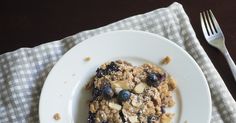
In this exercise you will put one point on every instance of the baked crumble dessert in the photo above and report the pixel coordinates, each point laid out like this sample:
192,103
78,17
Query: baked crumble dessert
123,93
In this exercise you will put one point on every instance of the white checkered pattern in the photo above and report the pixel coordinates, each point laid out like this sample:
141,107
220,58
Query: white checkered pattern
22,72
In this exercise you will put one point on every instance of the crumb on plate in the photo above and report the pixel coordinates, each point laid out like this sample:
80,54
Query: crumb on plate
166,60
57,116
87,59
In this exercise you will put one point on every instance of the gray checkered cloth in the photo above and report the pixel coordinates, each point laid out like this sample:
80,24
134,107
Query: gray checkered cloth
22,72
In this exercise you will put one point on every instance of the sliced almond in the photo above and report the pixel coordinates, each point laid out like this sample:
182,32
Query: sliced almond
140,87
120,84
114,106
136,101
133,119
117,90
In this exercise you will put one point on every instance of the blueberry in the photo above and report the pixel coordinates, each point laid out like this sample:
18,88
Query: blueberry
112,67
123,95
95,93
154,79
91,117
109,68
107,92
100,72
152,119
163,110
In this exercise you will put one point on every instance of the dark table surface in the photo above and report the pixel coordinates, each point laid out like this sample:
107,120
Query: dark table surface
29,23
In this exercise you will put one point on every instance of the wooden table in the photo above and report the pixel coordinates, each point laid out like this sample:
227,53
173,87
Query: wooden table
29,23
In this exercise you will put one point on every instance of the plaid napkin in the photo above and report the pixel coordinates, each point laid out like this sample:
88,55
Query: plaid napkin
22,72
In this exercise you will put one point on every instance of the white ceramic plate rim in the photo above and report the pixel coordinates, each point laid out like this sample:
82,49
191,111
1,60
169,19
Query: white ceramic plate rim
49,93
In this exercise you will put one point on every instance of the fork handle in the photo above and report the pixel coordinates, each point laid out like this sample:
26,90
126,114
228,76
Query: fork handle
231,63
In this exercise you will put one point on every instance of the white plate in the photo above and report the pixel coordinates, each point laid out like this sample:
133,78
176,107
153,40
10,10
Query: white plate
64,92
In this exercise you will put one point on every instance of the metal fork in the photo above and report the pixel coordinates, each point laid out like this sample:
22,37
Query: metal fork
215,36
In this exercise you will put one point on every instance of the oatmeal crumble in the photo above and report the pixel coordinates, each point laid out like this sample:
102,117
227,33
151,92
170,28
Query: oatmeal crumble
123,93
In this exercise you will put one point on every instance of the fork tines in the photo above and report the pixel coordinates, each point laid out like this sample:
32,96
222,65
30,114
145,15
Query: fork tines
209,24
